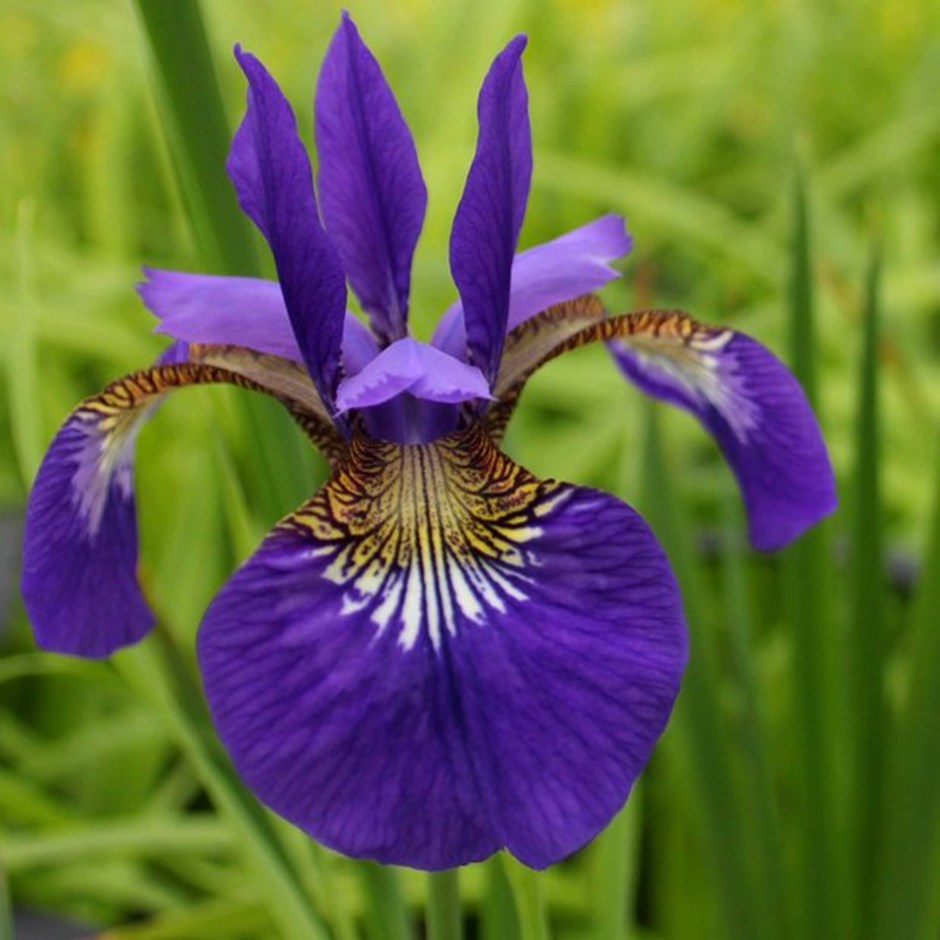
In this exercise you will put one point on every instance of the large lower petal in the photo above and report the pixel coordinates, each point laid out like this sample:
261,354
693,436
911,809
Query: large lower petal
440,655
567,267
489,217
80,545
272,175
371,191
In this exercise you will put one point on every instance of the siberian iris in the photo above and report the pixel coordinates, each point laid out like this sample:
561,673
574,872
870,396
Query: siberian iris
438,655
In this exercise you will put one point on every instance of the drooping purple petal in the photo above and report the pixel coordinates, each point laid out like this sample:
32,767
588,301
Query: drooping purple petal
489,217
271,173
80,544
412,366
756,411
574,264
371,190
440,655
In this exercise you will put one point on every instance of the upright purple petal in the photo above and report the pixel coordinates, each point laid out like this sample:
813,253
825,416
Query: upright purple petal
271,172
489,217
371,190
440,655
570,266
755,409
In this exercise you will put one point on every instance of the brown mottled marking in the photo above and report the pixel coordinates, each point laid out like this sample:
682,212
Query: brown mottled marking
569,326
118,401
440,528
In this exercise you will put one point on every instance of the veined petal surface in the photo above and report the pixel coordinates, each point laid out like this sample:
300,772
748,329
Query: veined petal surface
371,190
79,579
440,655
216,309
489,216
272,175
567,267
219,310
409,365
737,388
754,407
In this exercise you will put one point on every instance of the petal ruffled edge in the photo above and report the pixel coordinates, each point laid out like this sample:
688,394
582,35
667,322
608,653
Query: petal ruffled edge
409,365
220,310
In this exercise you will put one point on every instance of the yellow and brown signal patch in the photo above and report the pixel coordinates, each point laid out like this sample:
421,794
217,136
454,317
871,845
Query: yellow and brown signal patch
427,536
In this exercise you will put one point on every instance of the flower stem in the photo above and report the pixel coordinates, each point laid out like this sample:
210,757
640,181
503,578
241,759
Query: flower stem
527,891
444,916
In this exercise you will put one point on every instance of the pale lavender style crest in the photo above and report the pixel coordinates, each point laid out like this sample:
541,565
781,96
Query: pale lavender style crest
438,655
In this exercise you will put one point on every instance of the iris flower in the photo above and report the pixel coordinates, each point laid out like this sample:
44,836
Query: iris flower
439,655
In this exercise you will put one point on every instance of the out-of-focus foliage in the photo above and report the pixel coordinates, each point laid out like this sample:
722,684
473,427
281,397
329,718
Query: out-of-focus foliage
689,117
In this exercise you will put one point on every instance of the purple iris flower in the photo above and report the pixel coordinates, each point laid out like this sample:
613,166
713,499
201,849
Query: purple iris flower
438,655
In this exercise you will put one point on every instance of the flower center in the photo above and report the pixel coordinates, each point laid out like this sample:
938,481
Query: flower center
428,537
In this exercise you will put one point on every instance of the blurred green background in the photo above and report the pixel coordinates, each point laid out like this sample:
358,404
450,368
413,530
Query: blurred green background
795,793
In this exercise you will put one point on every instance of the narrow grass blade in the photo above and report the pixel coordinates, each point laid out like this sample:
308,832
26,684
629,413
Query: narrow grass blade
444,917
178,704
227,917
199,131
705,734
772,883
146,836
6,906
498,909
867,647
612,858
814,673
199,134
386,914
22,366
526,888
908,882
